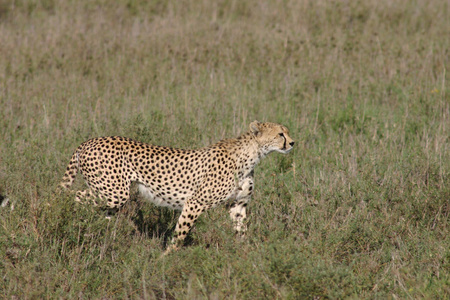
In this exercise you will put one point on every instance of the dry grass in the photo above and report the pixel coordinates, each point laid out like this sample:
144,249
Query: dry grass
360,209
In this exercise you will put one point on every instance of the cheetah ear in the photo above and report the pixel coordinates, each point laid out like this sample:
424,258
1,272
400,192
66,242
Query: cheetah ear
255,127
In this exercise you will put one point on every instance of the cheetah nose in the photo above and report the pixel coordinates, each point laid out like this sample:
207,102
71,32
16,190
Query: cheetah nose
292,144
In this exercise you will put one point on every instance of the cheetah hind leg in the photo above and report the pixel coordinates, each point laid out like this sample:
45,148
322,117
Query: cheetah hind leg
91,197
86,196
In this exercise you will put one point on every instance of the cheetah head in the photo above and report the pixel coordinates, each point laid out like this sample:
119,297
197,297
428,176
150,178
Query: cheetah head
272,137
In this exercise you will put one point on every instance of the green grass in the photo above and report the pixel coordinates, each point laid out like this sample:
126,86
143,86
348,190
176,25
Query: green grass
360,208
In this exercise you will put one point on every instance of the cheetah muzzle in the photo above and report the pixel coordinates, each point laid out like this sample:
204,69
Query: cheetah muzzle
188,180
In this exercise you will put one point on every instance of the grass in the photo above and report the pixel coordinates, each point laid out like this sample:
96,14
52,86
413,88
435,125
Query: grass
360,208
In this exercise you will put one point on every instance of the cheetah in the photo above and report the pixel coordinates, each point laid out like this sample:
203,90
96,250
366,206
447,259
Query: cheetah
188,180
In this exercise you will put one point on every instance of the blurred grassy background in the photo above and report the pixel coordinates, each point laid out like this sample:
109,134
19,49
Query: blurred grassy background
360,209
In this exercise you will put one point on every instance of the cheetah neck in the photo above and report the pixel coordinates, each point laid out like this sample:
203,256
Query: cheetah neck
248,153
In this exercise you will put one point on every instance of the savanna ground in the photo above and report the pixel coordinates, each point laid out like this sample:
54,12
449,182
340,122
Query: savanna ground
360,208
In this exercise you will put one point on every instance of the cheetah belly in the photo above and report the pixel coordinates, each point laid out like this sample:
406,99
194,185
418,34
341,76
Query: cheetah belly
148,194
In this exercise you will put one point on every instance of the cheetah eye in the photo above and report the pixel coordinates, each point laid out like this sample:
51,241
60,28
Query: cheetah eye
281,134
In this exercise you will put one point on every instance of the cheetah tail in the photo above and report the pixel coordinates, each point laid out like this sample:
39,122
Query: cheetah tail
71,171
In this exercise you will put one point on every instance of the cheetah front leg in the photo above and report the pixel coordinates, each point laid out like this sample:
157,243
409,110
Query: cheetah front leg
238,214
239,206
190,213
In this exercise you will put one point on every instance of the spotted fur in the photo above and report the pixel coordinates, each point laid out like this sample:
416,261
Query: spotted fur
188,180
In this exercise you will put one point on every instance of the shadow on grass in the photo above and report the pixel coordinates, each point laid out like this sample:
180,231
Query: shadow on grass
152,221
155,222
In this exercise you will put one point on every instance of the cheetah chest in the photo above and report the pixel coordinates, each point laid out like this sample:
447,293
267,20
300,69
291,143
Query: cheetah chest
176,201
171,181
